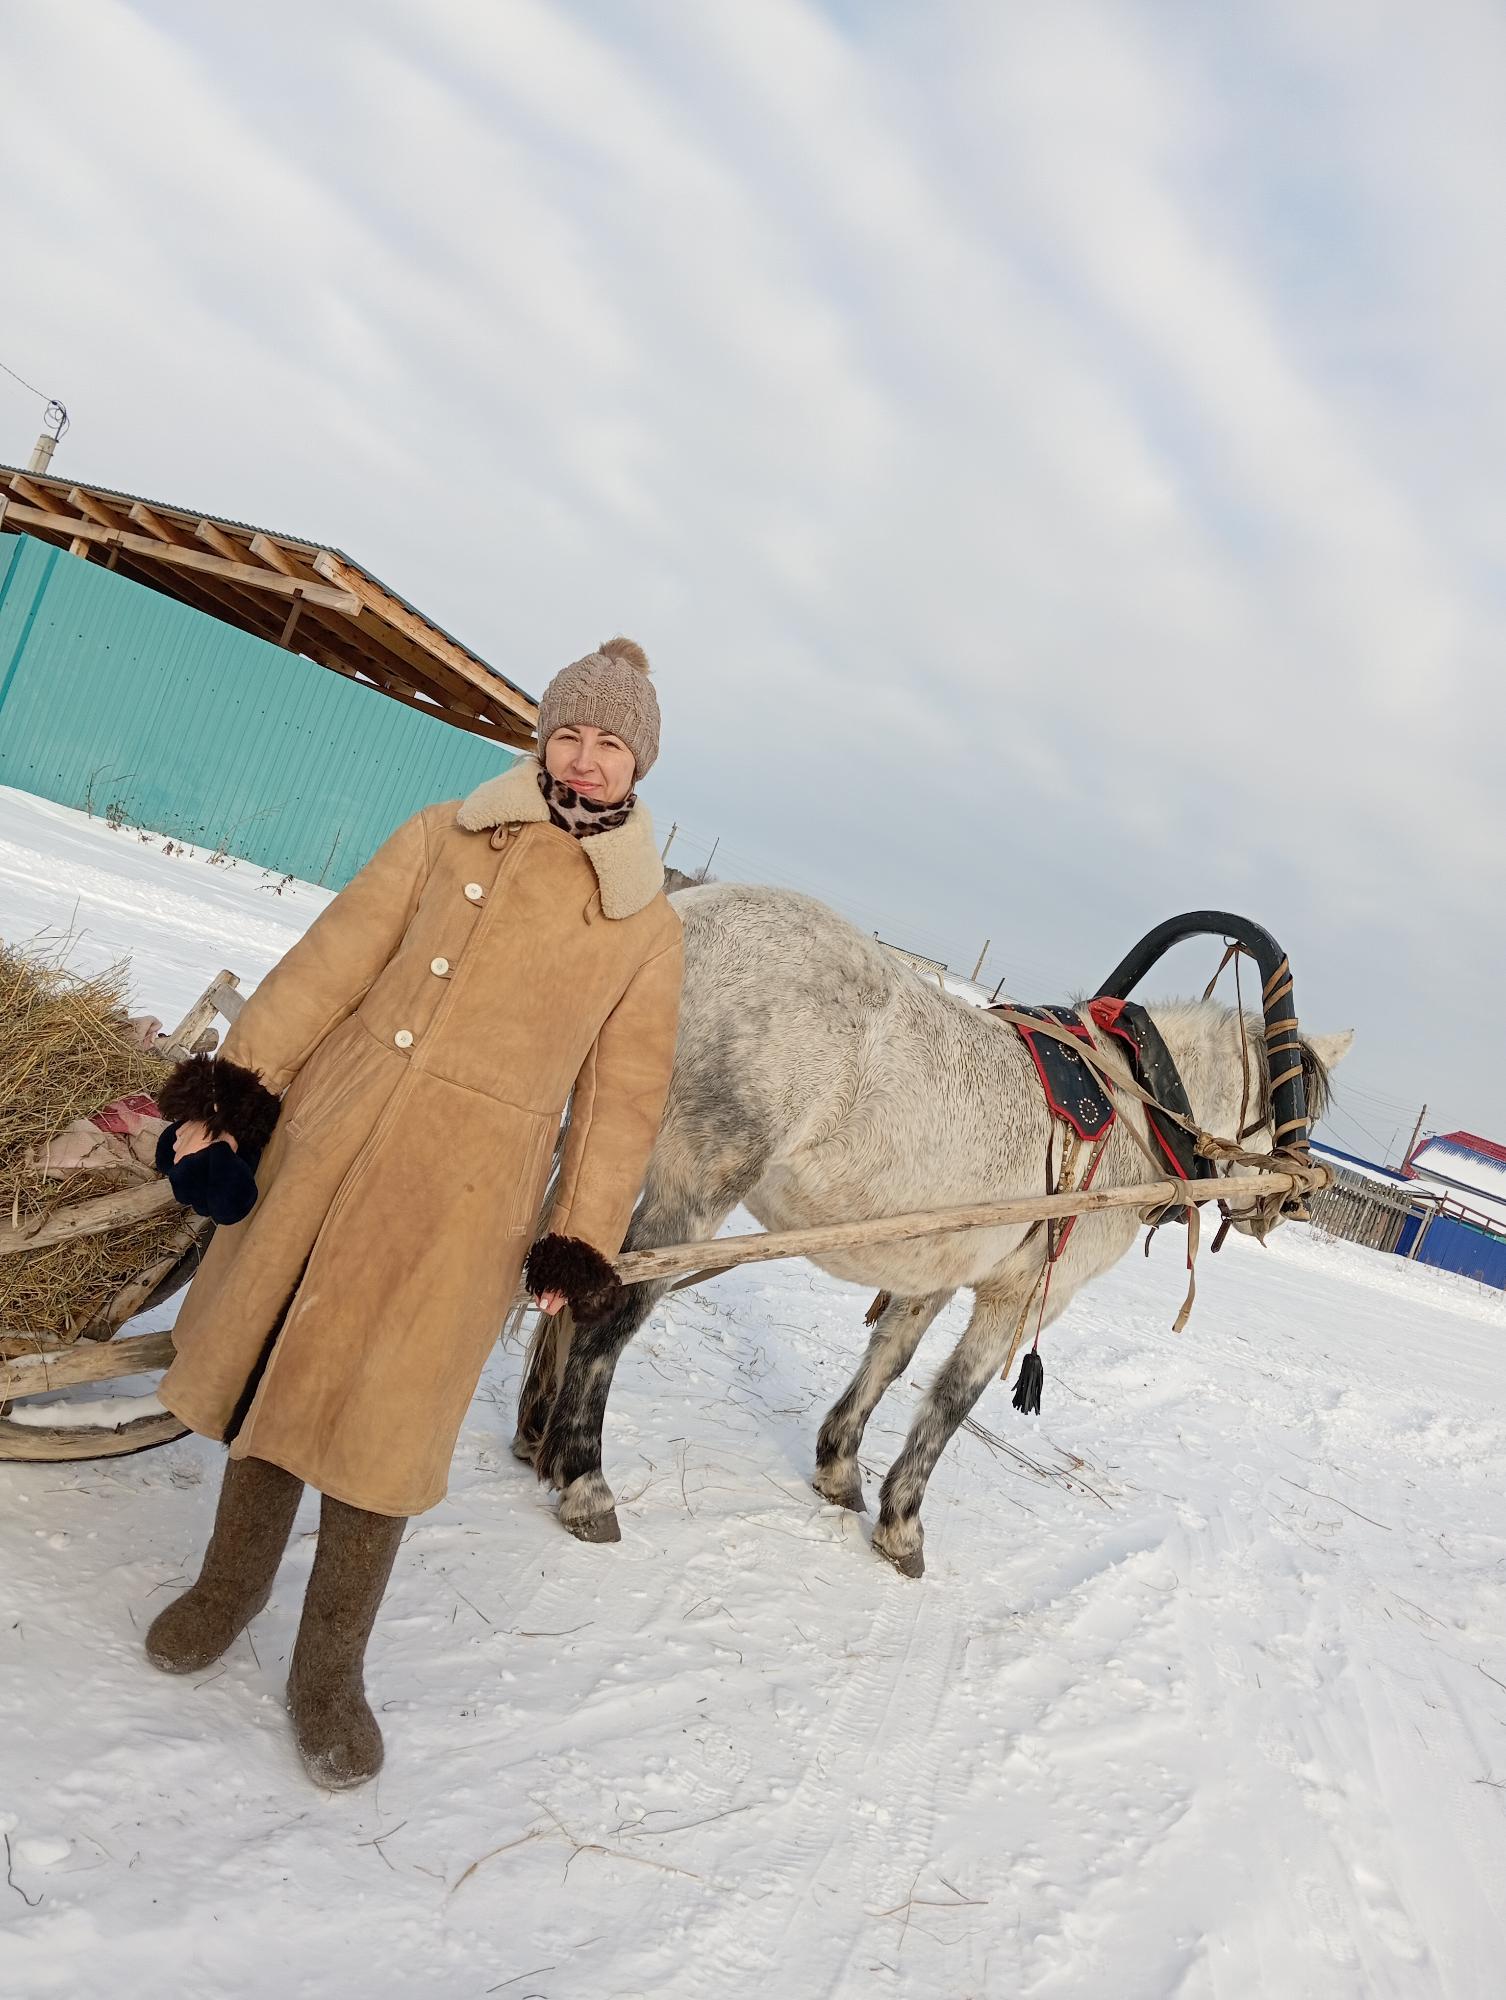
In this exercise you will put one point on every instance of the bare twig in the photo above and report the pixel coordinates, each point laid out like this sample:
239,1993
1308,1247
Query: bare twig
1337,1502
654,1832
533,1833
595,1847
377,1842
30,1903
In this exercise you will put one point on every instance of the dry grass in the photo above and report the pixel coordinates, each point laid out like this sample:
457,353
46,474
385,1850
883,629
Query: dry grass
64,1052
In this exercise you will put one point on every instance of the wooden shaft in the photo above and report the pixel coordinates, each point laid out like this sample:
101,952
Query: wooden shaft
88,1218
90,1361
724,1254
219,997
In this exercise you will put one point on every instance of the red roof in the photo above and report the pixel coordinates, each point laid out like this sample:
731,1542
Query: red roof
1468,1142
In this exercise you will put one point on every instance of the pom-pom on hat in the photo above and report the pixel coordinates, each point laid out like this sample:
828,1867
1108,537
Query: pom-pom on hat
608,690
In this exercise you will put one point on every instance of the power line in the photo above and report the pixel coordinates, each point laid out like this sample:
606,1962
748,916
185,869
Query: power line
1381,1145
1380,1097
24,383
55,415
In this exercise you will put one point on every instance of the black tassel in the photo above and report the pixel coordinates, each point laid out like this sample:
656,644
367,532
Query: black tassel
1027,1391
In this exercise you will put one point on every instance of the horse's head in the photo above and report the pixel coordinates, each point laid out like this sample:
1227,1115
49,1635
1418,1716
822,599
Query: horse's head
1251,1122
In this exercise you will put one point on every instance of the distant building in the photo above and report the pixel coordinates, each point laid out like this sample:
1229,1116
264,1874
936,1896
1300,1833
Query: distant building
1470,1170
239,689
1447,1208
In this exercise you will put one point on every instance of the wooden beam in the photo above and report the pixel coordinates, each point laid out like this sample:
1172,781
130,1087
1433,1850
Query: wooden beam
91,1361
214,536
484,726
221,996
95,509
87,1218
474,725
386,608
392,660
267,550
79,547
155,545
244,609
154,524
34,495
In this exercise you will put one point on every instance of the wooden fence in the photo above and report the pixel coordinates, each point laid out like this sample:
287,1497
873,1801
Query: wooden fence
1361,1210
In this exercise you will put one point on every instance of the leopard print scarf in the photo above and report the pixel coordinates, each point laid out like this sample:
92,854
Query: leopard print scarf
582,816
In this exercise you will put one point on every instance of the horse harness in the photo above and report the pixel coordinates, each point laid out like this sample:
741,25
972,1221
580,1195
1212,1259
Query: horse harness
1079,1092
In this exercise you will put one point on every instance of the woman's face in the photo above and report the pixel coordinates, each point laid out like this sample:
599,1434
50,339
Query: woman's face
592,762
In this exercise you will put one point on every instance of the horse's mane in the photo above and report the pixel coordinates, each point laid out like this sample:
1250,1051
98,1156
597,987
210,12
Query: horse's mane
1315,1079
1314,1069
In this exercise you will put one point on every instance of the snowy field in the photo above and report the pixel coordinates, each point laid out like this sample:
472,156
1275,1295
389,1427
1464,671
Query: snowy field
1204,1692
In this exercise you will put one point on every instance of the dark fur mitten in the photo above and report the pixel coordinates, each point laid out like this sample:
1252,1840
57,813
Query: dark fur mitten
565,1264
225,1096
216,1181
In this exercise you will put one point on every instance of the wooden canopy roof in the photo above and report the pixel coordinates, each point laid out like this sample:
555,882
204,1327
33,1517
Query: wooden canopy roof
296,594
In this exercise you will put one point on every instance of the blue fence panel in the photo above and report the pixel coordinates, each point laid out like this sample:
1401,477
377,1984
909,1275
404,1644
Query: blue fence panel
113,696
1456,1246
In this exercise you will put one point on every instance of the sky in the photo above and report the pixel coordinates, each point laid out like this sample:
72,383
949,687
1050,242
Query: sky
1051,454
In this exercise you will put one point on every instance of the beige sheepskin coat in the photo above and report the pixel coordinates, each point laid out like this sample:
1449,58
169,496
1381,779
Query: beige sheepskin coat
425,1035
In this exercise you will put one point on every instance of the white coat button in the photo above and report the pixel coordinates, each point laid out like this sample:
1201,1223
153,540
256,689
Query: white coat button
474,892
404,1038
439,967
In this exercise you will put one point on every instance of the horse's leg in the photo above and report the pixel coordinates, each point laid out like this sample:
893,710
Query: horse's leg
541,1380
896,1335
569,1457
960,1380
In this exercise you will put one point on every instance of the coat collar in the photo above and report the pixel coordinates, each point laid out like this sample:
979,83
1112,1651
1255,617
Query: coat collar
629,872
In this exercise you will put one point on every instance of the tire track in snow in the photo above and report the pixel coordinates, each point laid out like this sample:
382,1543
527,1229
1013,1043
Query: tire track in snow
815,1913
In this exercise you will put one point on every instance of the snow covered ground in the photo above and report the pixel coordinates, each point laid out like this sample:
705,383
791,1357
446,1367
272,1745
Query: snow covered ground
1204,1692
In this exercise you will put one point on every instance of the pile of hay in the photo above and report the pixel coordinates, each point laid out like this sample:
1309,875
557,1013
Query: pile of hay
65,1051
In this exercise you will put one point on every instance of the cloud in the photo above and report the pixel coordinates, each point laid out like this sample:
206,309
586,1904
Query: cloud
1051,453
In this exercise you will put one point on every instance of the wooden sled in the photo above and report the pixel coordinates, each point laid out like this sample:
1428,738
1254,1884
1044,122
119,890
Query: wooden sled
38,1361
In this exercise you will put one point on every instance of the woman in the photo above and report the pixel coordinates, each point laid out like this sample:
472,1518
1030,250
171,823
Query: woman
423,1038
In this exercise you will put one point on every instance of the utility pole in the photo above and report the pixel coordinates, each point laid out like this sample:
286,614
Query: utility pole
981,956
709,859
1406,1158
54,423
664,851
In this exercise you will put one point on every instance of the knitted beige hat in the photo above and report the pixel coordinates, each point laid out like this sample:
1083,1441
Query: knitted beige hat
609,690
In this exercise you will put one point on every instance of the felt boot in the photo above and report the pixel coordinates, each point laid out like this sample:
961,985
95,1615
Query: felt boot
338,1737
251,1527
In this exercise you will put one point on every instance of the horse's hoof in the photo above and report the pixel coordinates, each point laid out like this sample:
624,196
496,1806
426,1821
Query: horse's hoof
909,1562
845,1493
595,1527
526,1448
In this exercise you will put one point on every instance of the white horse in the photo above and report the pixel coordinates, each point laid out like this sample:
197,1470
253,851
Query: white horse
820,1079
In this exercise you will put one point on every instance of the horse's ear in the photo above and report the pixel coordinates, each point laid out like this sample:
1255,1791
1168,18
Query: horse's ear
1330,1049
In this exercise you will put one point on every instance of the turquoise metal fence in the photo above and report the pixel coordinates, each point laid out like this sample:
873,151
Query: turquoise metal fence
119,700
